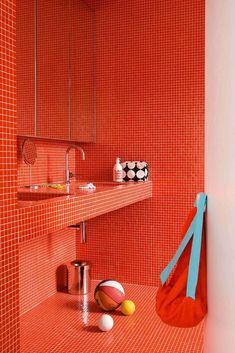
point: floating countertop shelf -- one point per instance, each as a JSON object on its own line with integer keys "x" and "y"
{"x": 44, "y": 211}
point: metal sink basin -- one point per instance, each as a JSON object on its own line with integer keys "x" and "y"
{"x": 73, "y": 189}
{"x": 38, "y": 196}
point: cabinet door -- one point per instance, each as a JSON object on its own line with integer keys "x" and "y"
{"x": 25, "y": 56}
{"x": 82, "y": 72}
{"x": 53, "y": 27}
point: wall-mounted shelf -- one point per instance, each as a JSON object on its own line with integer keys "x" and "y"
{"x": 46, "y": 216}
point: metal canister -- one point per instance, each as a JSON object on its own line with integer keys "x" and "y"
{"x": 79, "y": 277}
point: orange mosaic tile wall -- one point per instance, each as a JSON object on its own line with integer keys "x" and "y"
{"x": 39, "y": 262}
{"x": 150, "y": 106}
{"x": 150, "y": 92}
{"x": 9, "y": 260}
{"x": 39, "y": 258}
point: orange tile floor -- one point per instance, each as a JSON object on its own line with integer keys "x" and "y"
{"x": 67, "y": 324}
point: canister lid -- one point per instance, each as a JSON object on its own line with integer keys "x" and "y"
{"x": 81, "y": 263}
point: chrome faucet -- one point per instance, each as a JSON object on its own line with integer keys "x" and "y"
{"x": 68, "y": 174}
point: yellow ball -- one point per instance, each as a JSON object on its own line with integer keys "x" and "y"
{"x": 128, "y": 307}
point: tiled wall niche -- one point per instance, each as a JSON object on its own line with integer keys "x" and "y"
{"x": 50, "y": 163}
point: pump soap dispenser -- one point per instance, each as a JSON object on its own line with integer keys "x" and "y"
{"x": 117, "y": 171}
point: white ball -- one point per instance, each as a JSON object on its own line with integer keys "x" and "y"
{"x": 105, "y": 322}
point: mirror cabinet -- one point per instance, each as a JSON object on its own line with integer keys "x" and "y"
{"x": 55, "y": 70}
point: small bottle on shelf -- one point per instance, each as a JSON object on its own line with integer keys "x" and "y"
{"x": 117, "y": 171}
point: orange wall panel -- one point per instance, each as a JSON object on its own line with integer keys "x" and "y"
{"x": 82, "y": 72}
{"x": 25, "y": 55}
{"x": 53, "y": 68}
{"x": 9, "y": 255}
{"x": 150, "y": 106}
{"x": 39, "y": 263}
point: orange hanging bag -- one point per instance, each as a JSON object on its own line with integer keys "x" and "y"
{"x": 182, "y": 302}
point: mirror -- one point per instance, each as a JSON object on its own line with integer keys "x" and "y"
{"x": 55, "y": 70}
{"x": 29, "y": 153}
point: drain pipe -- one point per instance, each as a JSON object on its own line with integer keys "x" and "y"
{"x": 82, "y": 227}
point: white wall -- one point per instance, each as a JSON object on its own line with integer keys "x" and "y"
{"x": 220, "y": 174}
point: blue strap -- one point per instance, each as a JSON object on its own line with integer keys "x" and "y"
{"x": 195, "y": 229}
{"x": 196, "y": 248}
{"x": 168, "y": 269}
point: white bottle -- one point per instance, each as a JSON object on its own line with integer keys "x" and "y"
{"x": 117, "y": 171}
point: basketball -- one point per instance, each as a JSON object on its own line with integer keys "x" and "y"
{"x": 109, "y": 294}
